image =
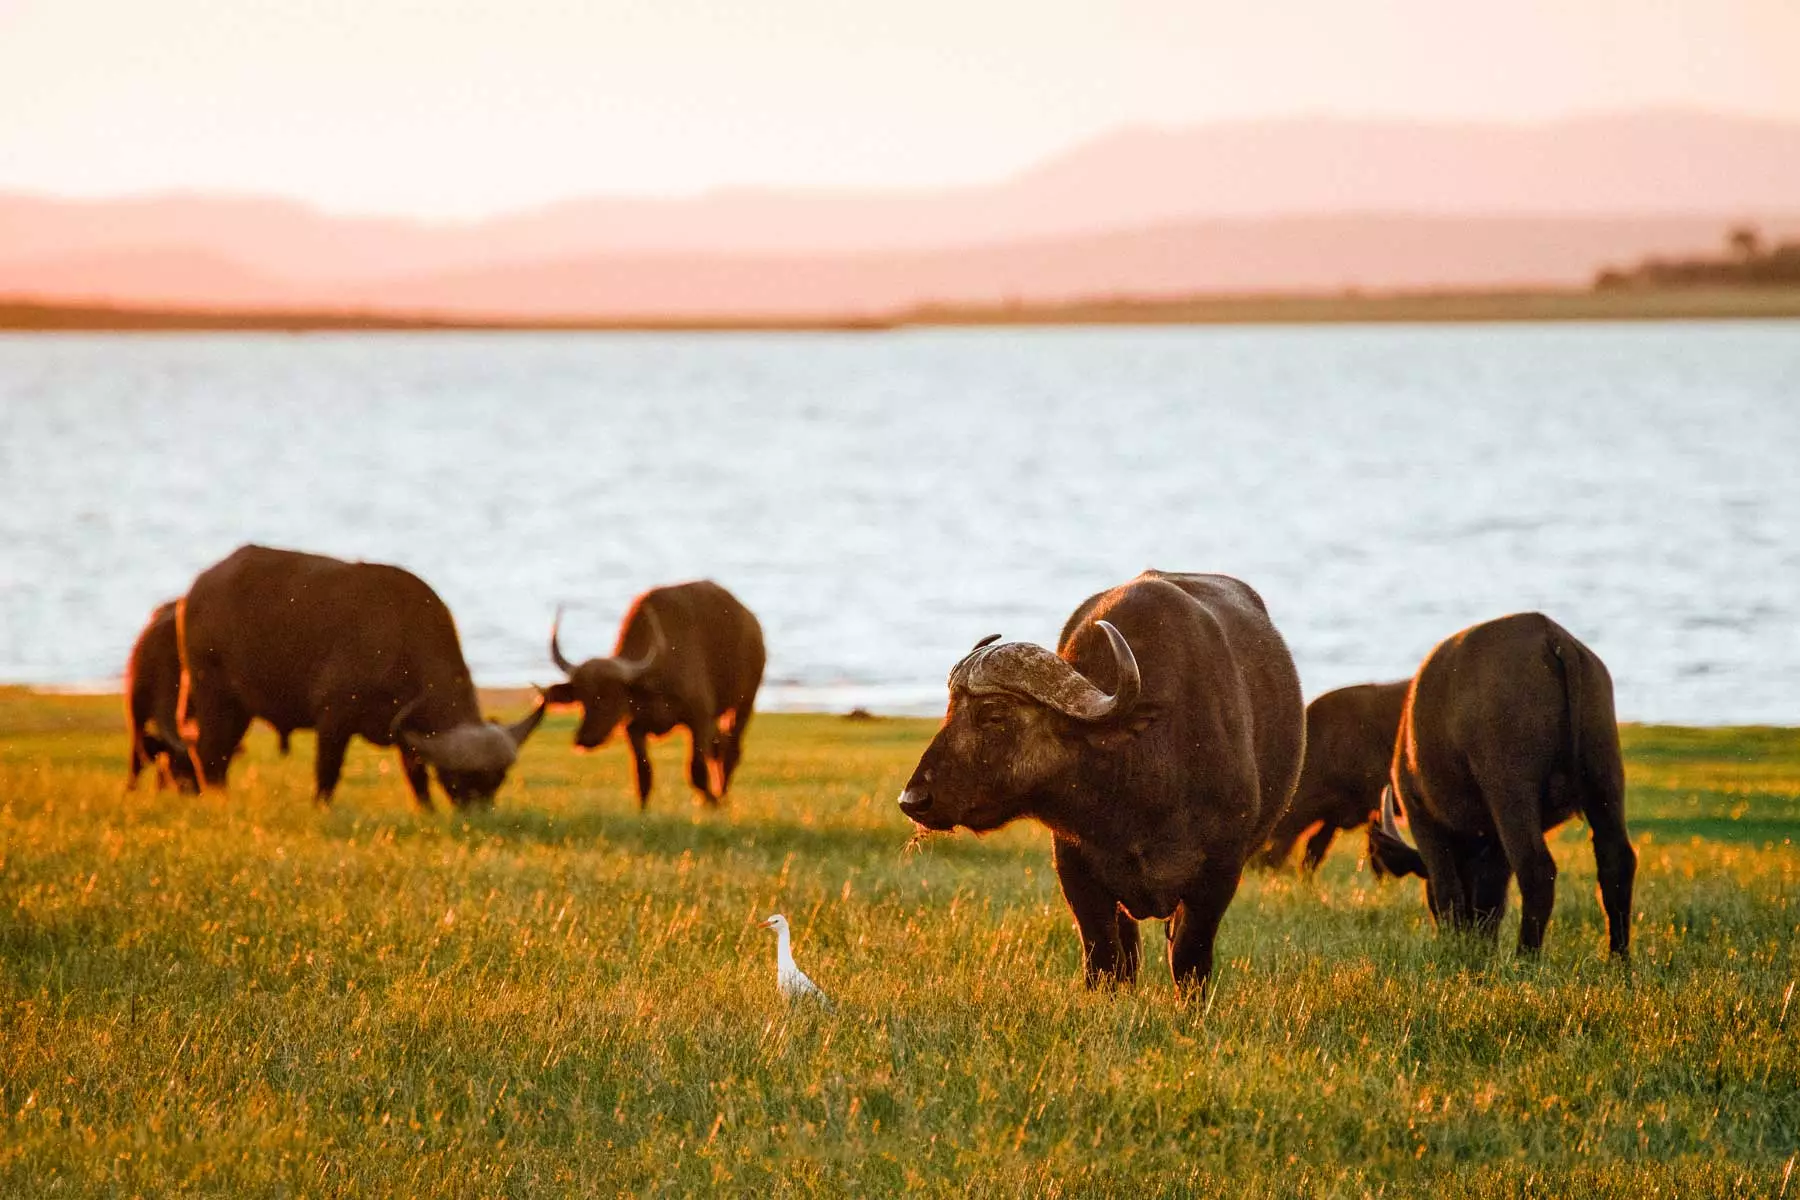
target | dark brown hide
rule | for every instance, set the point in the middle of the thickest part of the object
(1155, 804)
(689, 655)
(1349, 747)
(152, 691)
(308, 642)
(1507, 732)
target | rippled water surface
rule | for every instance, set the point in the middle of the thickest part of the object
(882, 500)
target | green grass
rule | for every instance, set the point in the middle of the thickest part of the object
(243, 994)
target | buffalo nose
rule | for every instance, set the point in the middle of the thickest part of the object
(915, 803)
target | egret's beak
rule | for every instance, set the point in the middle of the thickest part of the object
(769, 924)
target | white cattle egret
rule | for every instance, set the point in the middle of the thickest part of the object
(789, 978)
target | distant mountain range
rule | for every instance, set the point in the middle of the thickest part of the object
(1264, 206)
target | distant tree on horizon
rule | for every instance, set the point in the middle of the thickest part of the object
(1748, 261)
(1745, 242)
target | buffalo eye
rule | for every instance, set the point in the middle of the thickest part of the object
(993, 714)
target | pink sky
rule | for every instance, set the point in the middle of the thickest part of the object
(449, 108)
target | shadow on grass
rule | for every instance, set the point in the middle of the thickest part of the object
(1693, 746)
(1750, 831)
(672, 834)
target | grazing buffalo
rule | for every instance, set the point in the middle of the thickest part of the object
(1508, 731)
(689, 654)
(1349, 746)
(152, 691)
(1160, 744)
(308, 642)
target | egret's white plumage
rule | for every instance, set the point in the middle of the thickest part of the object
(788, 977)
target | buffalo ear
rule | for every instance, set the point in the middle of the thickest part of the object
(1389, 857)
(1111, 736)
(559, 693)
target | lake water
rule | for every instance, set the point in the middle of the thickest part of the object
(883, 500)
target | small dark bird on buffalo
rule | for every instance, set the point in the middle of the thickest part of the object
(1508, 731)
(689, 655)
(1159, 745)
(346, 648)
(1349, 746)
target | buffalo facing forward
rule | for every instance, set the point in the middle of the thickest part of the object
(152, 694)
(1349, 747)
(1508, 731)
(688, 655)
(308, 642)
(1160, 744)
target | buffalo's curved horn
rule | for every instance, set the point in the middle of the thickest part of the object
(478, 746)
(401, 717)
(1389, 826)
(1130, 685)
(519, 730)
(1035, 673)
(556, 654)
(989, 640)
(630, 669)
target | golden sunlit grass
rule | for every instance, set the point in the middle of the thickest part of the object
(245, 994)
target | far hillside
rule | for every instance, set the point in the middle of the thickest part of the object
(1300, 205)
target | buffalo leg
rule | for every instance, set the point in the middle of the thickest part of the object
(1616, 863)
(1447, 890)
(733, 748)
(138, 761)
(1196, 925)
(418, 777)
(1487, 874)
(174, 767)
(640, 763)
(1522, 836)
(1129, 952)
(702, 755)
(328, 766)
(1317, 845)
(223, 723)
(1287, 831)
(1105, 956)
(161, 758)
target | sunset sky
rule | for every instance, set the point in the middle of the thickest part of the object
(450, 108)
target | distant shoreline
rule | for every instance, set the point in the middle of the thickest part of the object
(1421, 307)
(504, 699)
(17, 316)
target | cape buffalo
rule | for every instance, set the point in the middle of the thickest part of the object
(152, 691)
(1159, 745)
(308, 642)
(689, 654)
(1349, 747)
(1508, 731)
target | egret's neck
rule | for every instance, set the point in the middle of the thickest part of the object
(783, 955)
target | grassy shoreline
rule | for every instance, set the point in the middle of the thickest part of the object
(244, 994)
(1410, 307)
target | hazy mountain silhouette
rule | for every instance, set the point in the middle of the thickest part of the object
(1228, 207)
(160, 277)
(1219, 256)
